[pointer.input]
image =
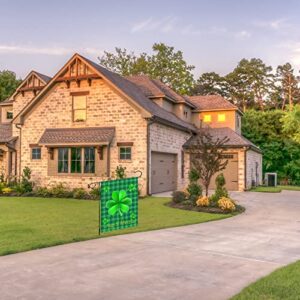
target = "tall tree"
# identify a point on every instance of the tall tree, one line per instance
(288, 85)
(164, 64)
(8, 84)
(211, 83)
(206, 153)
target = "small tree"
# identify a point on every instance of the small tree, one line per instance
(206, 152)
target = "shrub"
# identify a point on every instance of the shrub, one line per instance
(226, 204)
(7, 190)
(195, 189)
(80, 193)
(43, 192)
(193, 199)
(193, 175)
(203, 201)
(27, 185)
(120, 172)
(60, 191)
(95, 193)
(220, 189)
(19, 189)
(178, 196)
(187, 202)
(186, 192)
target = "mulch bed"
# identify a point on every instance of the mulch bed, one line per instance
(212, 210)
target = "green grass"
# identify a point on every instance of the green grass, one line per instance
(278, 189)
(281, 284)
(31, 223)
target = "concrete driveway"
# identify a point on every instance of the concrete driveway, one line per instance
(206, 261)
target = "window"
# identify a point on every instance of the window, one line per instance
(89, 160)
(36, 153)
(75, 160)
(63, 160)
(9, 115)
(79, 108)
(221, 117)
(185, 114)
(207, 118)
(125, 153)
(238, 121)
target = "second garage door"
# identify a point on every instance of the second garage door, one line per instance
(163, 172)
(230, 173)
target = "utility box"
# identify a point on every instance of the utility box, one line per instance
(271, 179)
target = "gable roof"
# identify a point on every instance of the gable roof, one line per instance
(154, 88)
(5, 133)
(235, 140)
(123, 86)
(43, 78)
(211, 102)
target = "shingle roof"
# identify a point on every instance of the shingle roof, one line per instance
(44, 77)
(65, 136)
(137, 95)
(155, 88)
(211, 102)
(235, 139)
(5, 133)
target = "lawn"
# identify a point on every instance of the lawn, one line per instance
(278, 189)
(281, 284)
(31, 223)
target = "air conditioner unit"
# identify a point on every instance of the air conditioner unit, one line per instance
(271, 179)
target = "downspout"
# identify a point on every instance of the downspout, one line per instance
(149, 122)
(18, 126)
(245, 169)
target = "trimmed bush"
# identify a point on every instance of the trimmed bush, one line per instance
(80, 193)
(203, 201)
(195, 189)
(220, 191)
(226, 204)
(178, 196)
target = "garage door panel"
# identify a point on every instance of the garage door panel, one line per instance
(163, 172)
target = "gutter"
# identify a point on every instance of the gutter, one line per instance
(18, 126)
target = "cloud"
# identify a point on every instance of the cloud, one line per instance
(164, 25)
(244, 34)
(272, 24)
(46, 50)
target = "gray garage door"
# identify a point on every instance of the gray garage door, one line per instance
(230, 173)
(163, 172)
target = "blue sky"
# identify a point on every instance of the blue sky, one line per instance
(213, 35)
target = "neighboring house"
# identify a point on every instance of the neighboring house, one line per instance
(78, 126)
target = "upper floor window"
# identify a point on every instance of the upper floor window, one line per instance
(36, 153)
(185, 113)
(221, 117)
(9, 115)
(79, 108)
(207, 118)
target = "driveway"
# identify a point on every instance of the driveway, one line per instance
(206, 261)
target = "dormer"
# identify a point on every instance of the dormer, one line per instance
(6, 111)
(33, 83)
(216, 112)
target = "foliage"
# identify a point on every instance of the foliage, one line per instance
(206, 153)
(164, 64)
(281, 153)
(291, 123)
(226, 204)
(178, 196)
(7, 190)
(203, 201)
(80, 193)
(194, 175)
(194, 189)
(60, 191)
(8, 84)
(26, 183)
(220, 190)
(120, 172)
(43, 192)
(95, 193)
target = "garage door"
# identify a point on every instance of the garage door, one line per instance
(230, 173)
(163, 172)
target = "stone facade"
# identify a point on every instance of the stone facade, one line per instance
(105, 108)
(170, 140)
(254, 169)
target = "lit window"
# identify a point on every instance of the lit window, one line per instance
(79, 108)
(125, 153)
(207, 118)
(221, 117)
(36, 153)
(9, 115)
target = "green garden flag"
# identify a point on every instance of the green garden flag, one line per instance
(118, 204)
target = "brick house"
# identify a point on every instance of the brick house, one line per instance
(78, 126)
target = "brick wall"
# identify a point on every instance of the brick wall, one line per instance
(170, 140)
(105, 108)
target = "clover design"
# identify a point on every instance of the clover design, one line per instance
(106, 189)
(131, 187)
(132, 216)
(105, 221)
(119, 203)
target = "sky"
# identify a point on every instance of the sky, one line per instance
(214, 35)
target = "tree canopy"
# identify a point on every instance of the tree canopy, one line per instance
(8, 84)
